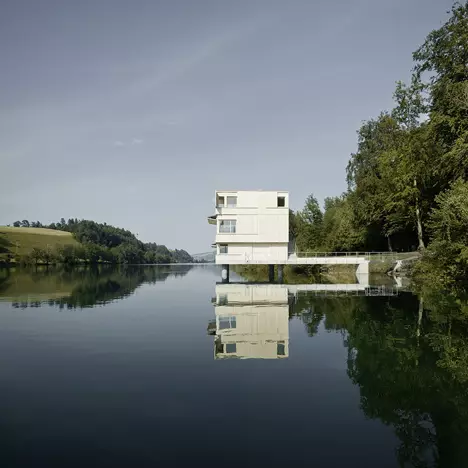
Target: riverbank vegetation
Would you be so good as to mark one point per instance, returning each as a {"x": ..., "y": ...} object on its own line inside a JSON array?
[
  {"x": 80, "y": 242},
  {"x": 407, "y": 181}
]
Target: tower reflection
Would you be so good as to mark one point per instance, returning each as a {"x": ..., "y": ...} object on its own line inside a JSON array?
[{"x": 252, "y": 321}]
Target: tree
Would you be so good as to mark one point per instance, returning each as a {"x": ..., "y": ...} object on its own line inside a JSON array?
[
  {"x": 407, "y": 173},
  {"x": 17, "y": 224},
  {"x": 410, "y": 101},
  {"x": 25, "y": 223},
  {"x": 368, "y": 187},
  {"x": 444, "y": 57},
  {"x": 37, "y": 255},
  {"x": 309, "y": 224},
  {"x": 340, "y": 231},
  {"x": 447, "y": 258}
]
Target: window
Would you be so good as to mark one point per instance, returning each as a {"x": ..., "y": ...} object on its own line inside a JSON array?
[
  {"x": 231, "y": 202},
  {"x": 223, "y": 299},
  {"x": 227, "y": 321},
  {"x": 227, "y": 226},
  {"x": 231, "y": 348},
  {"x": 220, "y": 202},
  {"x": 280, "y": 348},
  {"x": 223, "y": 249},
  {"x": 281, "y": 202}
]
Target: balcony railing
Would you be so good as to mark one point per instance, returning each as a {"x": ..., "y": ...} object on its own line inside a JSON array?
[{"x": 367, "y": 255}]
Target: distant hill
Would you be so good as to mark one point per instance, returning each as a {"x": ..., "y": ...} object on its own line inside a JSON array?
[
  {"x": 208, "y": 257},
  {"x": 80, "y": 241}
]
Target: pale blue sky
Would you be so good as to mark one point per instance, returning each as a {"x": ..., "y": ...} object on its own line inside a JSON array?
[{"x": 134, "y": 112}]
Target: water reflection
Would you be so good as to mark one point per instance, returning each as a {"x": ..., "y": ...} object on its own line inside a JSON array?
[
  {"x": 408, "y": 355},
  {"x": 362, "y": 375},
  {"x": 252, "y": 321},
  {"x": 79, "y": 287}
]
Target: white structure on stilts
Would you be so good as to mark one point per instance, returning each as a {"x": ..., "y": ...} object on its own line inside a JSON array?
[{"x": 252, "y": 227}]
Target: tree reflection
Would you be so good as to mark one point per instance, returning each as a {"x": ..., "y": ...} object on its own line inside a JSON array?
[
  {"x": 80, "y": 287},
  {"x": 409, "y": 357}
]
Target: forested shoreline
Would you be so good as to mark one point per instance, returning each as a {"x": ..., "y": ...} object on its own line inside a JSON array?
[
  {"x": 407, "y": 181},
  {"x": 96, "y": 243}
]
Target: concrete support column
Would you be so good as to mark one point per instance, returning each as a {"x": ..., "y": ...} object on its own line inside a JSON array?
[
  {"x": 363, "y": 268},
  {"x": 280, "y": 273},
  {"x": 362, "y": 273},
  {"x": 225, "y": 274},
  {"x": 271, "y": 273}
]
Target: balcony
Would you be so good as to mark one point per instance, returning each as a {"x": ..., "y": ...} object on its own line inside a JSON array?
[{"x": 212, "y": 219}]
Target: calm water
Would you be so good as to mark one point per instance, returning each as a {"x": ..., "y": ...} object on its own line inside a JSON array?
[{"x": 148, "y": 367}]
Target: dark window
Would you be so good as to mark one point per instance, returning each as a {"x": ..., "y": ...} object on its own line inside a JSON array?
[
  {"x": 231, "y": 348},
  {"x": 223, "y": 299},
  {"x": 281, "y": 202},
  {"x": 223, "y": 249},
  {"x": 280, "y": 349}
]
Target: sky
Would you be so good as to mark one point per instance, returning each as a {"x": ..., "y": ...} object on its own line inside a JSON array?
[{"x": 133, "y": 112}]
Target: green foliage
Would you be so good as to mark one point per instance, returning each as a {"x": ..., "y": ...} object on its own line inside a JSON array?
[
  {"x": 309, "y": 226},
  {"x": 449, "y": 220},
  {"x": 100, "y": 243},
  {"x": 340, "y": 232},
  {"x": 444, "y": 56},
  {"x": 447, "y": 258},
  {"x": 400, "y": 180}
]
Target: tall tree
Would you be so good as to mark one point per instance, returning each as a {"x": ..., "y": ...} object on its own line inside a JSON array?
[
  {"x": 444, "y": 58},
  {"x": 309, "y": 225},
  {"x": 340, "y": 231},
  {"x": 369, "y": 189}
]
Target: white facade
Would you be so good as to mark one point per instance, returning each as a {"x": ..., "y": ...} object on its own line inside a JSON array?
[{"x": 251, "y": 227}]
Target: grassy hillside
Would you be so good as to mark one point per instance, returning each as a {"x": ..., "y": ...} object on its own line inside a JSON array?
[
  {"x": 22, "y": 240},
  {"x": 81, "y": 242}
]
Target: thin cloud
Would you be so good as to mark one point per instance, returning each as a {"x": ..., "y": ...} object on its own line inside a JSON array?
[
  {"x": 199, "y": 54},
  {"x": 137, "y": 141},
  {"x": 119, "y": 143}
]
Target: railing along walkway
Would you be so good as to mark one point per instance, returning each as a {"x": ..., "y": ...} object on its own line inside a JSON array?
[{"x": 365, "y": 255}]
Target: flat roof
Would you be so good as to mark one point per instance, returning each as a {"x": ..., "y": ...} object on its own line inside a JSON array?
[{"x": 257, "y": 190}]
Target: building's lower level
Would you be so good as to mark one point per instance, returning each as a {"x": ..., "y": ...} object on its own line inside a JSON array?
[{"x": 243, "y": 254}]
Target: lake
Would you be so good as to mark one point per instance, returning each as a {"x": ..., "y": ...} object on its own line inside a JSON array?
[{"x": 162, "y": 366}]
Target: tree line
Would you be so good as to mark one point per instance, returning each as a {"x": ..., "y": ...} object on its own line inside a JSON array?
[
  {"x": 100, "y": 243},
  {"x": 407, "y": 181}
]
